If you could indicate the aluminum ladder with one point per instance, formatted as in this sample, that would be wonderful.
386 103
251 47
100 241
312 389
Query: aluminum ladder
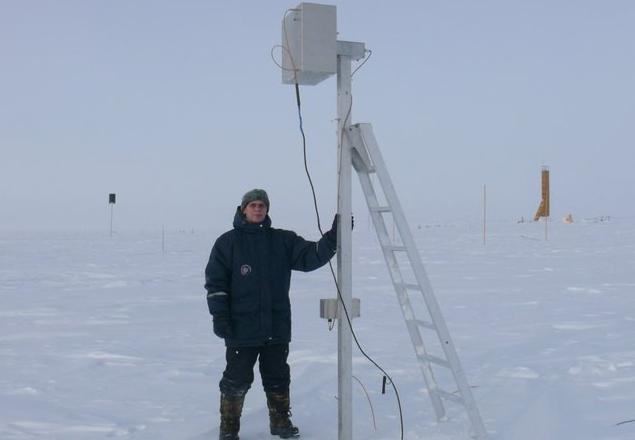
367 161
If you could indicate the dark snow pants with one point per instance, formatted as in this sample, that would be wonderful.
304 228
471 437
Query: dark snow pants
239 372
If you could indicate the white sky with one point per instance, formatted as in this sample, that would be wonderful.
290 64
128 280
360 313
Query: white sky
178 108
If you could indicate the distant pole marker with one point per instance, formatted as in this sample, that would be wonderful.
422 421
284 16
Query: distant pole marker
112 199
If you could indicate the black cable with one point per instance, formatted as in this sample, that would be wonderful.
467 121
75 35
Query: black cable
306 167
339 293
370 54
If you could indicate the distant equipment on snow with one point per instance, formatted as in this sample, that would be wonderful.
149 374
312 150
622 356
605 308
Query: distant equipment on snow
568 219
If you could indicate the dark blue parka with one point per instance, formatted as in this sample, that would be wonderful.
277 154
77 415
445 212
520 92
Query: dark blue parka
248 275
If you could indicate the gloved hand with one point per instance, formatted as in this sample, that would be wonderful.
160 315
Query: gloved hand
222 326
332 234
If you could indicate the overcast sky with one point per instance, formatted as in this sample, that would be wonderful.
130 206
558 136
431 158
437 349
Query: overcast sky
178 108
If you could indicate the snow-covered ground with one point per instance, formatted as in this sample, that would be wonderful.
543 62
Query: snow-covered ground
106 337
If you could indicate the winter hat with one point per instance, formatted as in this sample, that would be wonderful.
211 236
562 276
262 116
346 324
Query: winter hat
252 196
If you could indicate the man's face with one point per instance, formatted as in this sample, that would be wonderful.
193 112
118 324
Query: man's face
255 211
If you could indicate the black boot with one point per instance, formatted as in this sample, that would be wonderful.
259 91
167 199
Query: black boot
231 406
279 413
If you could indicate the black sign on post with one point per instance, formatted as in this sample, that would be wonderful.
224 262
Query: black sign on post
112 198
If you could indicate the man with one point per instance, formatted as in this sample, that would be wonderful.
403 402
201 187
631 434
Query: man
247 281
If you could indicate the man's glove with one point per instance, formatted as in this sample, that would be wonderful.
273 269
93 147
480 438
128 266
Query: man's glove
222 327
332 234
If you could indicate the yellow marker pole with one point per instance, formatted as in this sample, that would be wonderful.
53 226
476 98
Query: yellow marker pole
544 208
545 191
545 198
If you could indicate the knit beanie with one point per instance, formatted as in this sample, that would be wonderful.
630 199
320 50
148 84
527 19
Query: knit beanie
252 196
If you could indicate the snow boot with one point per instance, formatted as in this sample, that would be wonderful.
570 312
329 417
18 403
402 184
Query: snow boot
279 413
231 407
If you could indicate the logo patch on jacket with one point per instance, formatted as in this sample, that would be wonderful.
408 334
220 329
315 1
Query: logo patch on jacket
245 269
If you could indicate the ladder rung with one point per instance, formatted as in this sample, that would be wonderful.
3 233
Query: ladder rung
434 360
425 324
380 209
409 286
450 396
395 248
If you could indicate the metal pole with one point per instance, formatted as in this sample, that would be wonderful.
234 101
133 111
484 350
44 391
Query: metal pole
344 252
484 214
111 211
